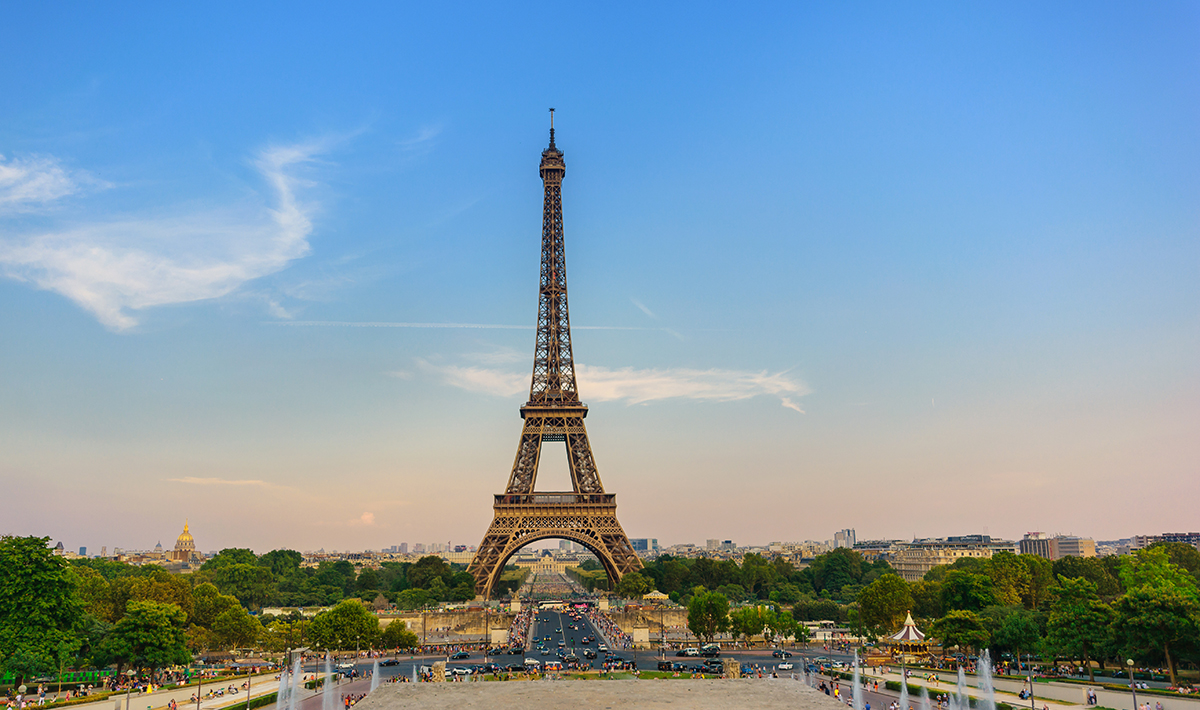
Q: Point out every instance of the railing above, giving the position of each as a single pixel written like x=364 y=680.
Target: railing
x=567 y=498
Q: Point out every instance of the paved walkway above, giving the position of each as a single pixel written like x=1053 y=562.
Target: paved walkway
x=159 y=699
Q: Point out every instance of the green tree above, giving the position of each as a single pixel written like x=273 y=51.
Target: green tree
x=282 y=563
x=1010 y=578
x=1079 y=623
x=234 y=628
x=230 y=556
x=1017 y=632
x=208 y=603
x=149 y=635
x=633 y=586
x=1152 y=567
x=1091 y=569
x=427 y=569
x=157 y=585
x=779 y=624
x=397 y=635
x=1158 y=619
x=961 y=628
x=347 y=625
x=411 y=599
x=746 y=621
x=885 y=602
x=967 y=591
x=927 y=599
x=39 y=607
x=708 y=615
x=250 y=583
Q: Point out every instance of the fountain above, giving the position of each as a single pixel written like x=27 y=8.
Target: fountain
x=297 y=680
x=281 y=694
x=960 y=701
x=903 y=690
x=327 y=696
x=983 y=675
x=375 y=676
x=925 y=699
x=414 y=673
x=856 y=695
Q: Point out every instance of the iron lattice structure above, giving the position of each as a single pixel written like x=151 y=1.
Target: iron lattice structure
x=586 y=515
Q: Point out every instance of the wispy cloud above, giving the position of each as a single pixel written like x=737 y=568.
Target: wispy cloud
x=113 y=269
x=33 y=183
x=501 y=383
x=426 y=134
x=636 y=386
x=642 y=307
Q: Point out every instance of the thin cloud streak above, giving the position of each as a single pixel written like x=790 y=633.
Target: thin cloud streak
x=636 y=386
x=113 y=268
x=31 y=184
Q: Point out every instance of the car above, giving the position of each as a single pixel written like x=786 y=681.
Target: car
x=785 y=666
x=716 y=664
x=602 y=648
x=585 y=640
x=345 y=664
x=545 y=652
x=516 y=650
x=562 y=643
x=515 y=668
x=589 y=653
x=460 y=656
x=390 y=662
x=532 y=662
x=710 y=650
x=666 y=666
x=688 y=652
x=462 y=670
x=780 y=653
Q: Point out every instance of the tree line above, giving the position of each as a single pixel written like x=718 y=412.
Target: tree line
x=57 y=614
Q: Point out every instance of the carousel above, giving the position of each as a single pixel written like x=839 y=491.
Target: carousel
x=908 y=645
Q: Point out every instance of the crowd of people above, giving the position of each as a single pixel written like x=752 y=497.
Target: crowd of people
x=617 y=639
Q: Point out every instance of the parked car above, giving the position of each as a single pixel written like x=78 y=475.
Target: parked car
x=785 y=666
x=532 y=663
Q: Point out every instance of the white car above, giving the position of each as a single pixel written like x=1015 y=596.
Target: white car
x=785 y=666
x=344 y=665
x=531 y=662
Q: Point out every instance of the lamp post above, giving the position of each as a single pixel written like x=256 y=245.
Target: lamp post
x=1132 y=685
x=129 y=685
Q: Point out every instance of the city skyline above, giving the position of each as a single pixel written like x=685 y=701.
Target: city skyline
x=827 y=265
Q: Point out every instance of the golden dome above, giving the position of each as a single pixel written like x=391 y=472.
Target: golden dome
x=184 y=537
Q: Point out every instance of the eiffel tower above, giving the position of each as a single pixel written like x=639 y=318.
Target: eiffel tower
x=586 y=515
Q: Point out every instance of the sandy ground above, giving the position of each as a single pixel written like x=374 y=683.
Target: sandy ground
x=686 y=694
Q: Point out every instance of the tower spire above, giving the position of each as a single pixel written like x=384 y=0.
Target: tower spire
x=552 y=128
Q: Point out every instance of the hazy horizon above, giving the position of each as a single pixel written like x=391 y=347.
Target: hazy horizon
x=913 y=270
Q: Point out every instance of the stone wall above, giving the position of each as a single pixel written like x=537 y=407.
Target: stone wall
x=465 y=622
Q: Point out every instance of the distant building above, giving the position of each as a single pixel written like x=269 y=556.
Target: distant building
x=913 y=560
x=644 y=544
x=418 y=548
x=1070 y=546
x=844 y=538
x=1036 y=543
x=712 y=544
x=460 y=548
x=185 y=547
x=565 y=545
x=1058 y=546
x=83 y=552
x=404 y=548
x=728 y=545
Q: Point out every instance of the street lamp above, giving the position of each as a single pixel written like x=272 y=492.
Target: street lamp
x=129 y=674
x=1132 y=685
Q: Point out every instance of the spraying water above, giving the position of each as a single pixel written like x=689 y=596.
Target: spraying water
x=983 y=675
x=375 y=676
x=414 y=673
x=903 y=689
x=327 y=696
x=961 y=701
x=294 y=693
x=856 y=696
x=925 y=699
x=281 y=695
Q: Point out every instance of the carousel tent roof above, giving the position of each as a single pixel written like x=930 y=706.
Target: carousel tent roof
x=910 y=633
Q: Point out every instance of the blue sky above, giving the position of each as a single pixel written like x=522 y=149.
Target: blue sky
x=916 y=270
